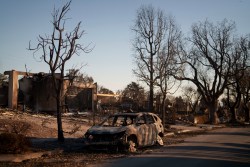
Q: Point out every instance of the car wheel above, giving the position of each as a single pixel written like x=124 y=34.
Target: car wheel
x=159 y=140
x=132 y=145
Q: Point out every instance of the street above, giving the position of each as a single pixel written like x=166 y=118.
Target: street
x=221 y=147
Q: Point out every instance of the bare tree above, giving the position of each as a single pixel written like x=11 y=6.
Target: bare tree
x=237 y=83
x=209 y=61
x=193 y=97
x=245 y=91
x=57 y=49
x=150 y=29
x=167 y=64
x=244 y=82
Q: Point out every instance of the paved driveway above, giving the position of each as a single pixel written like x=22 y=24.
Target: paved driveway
x=221 y=147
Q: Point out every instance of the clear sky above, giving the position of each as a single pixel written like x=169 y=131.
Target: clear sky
x=107 y=24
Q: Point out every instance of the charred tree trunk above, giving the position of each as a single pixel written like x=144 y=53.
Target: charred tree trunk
x=233 y=104
x=59 y=119
x=212 y=109
x=246 y=109
x=58 y=84
x=151 y=84
x=151 y=98
x=163 y=111
x=233 y=115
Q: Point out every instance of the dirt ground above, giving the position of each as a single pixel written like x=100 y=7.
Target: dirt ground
x=43 y=135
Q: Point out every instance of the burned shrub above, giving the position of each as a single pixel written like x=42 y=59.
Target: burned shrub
x=13 y=143
x=20 y=127
x=17 y=127
x=75 y=129
x=12 y=139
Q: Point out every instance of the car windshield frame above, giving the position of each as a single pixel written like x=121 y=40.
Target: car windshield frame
x=119 y=120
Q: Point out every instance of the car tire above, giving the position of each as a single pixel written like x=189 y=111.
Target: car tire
x=159 y=141
x=132 y=145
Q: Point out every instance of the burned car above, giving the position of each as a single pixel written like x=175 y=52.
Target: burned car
x=126 y=131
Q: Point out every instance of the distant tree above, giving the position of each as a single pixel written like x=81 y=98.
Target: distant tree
x=56 y=49
x=75 y=75
x=180 y=104
x=3 y=78
x=84 y=78
x=150 y=29
x=135 y=94
x=104 y=90
x=209 y=61
x=192 y=97
x=119 y=92
x=72 y=75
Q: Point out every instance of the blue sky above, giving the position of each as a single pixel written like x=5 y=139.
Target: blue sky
x=107 y=24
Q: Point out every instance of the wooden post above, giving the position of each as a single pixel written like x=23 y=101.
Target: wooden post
x=13 y=89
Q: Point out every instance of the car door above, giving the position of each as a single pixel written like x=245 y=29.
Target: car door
x=141 y=128
x=158 y=124
x=151 y=130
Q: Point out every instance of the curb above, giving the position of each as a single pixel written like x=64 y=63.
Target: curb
x=203 y=127
x=179 y=132
x=26 y=156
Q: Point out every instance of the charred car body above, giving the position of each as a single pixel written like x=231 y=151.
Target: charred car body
x=126 y=131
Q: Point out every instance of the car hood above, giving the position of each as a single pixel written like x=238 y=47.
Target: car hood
x=106 y=130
